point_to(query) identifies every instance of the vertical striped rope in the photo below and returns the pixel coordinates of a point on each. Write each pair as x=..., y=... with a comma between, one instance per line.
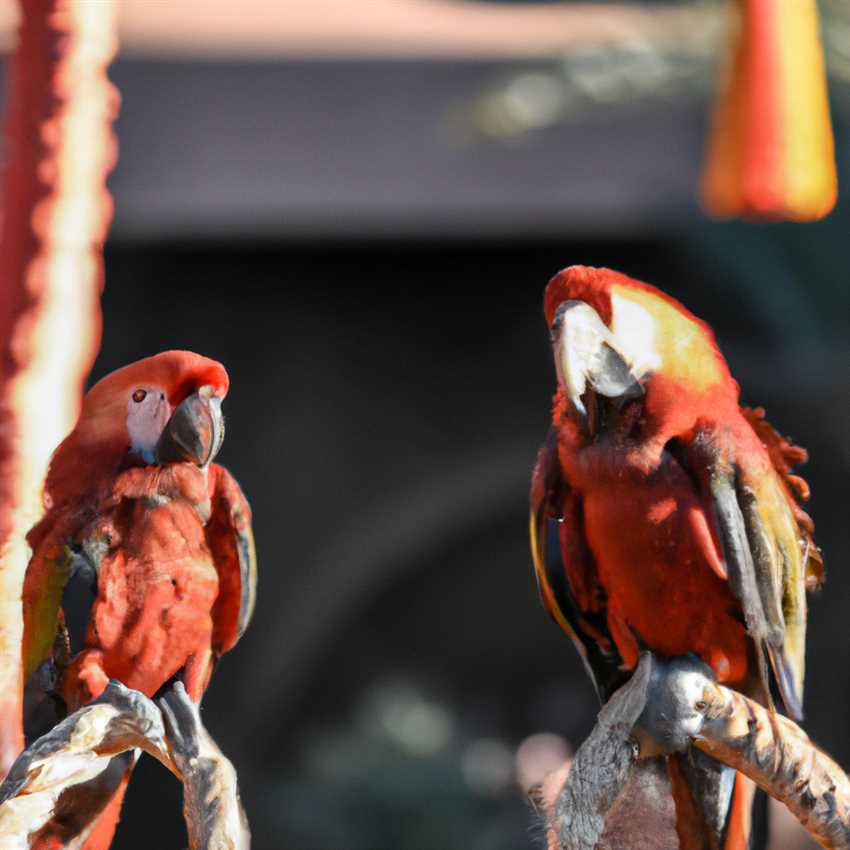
x=55, y=215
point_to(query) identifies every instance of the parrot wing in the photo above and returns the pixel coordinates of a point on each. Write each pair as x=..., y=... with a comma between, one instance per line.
x=44, y=584
x=766, y=539
x=44, y=642
x=231, y=543
x=784, y=455
x=566, y=573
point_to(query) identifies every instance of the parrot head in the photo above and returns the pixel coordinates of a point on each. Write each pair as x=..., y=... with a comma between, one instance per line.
x=617, y=340
x=163, y=409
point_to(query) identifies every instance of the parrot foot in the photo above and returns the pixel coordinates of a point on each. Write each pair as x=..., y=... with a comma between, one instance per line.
x=665, y=709
x=76, y=757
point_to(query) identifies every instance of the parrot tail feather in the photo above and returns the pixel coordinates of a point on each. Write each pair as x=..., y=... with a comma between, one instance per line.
x=86, y=815
x=716, y=807
x=746, y=827
x=104, y=827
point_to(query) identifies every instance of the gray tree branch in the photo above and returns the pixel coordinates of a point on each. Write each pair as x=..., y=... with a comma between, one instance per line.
x=81, y=747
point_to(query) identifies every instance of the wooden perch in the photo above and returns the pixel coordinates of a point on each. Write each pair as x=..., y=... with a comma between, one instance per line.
x=665, y=708
x=214, y=816
x=612, y=799
x=82, y=747
x=601, y=767
x=779, y=757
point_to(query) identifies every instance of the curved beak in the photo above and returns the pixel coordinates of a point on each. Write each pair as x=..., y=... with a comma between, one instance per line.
x=587, y=357
x=195, y=431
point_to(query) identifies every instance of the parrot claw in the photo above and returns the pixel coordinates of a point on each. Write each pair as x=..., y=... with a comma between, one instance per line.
x=182, y=723
x=676, y=701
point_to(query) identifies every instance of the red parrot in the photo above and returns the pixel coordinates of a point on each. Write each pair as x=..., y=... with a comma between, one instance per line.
x=158, y=538
x=664, y=516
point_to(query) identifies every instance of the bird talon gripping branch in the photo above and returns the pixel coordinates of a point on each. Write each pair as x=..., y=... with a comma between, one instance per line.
x=673, y=706
x=677, y=701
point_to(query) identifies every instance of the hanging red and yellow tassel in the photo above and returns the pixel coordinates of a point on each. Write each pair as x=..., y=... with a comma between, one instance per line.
x=770, y=154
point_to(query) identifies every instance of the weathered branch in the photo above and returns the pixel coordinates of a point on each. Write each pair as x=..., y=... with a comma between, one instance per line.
x=76, y=751
x=601, y=767
x=664, y=709
x=82, y=747
x=779, y=757
x=214, y=816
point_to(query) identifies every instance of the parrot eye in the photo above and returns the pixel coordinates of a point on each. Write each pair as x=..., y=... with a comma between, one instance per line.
x=139, y=396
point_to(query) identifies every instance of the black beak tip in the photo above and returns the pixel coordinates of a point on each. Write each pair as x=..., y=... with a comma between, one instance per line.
x=195, y=431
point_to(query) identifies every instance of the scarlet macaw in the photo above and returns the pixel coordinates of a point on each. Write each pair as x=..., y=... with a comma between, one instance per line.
x=138, y=515
x=664, y=516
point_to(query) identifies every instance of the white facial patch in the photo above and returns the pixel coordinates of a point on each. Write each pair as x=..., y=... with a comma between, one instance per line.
x=635, y=331
x=148, y=412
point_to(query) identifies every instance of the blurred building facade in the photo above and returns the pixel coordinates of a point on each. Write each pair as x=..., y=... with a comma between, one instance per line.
x=364, y=240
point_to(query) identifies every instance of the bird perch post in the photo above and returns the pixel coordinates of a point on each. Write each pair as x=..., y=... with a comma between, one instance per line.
x=56, y=212
x=666, y=708
x=81, y=748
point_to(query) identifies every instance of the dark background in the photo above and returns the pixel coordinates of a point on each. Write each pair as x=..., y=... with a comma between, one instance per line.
x=369, y=265
x=387, y=401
